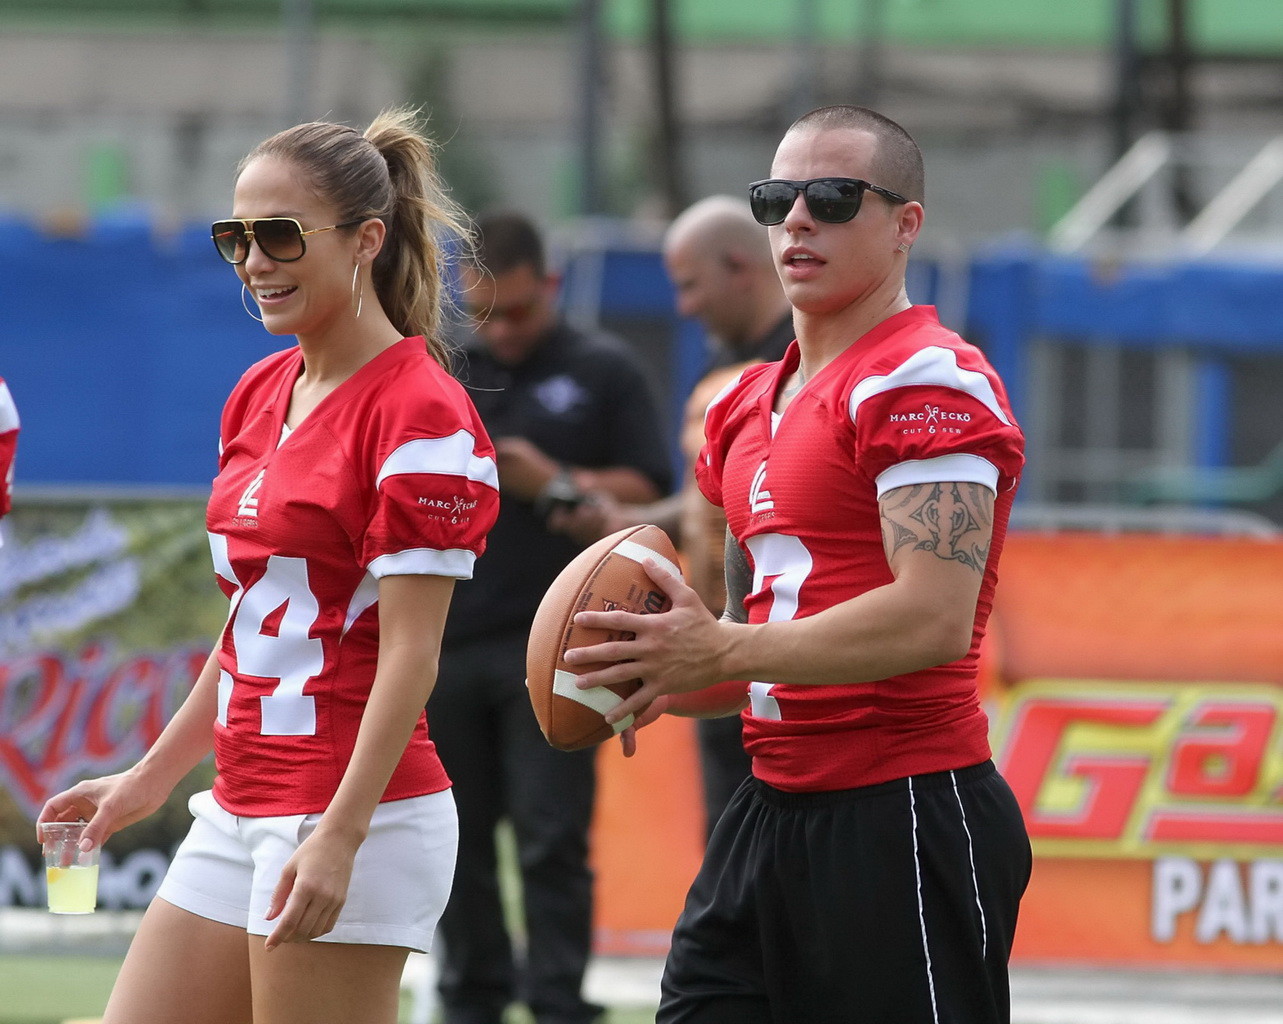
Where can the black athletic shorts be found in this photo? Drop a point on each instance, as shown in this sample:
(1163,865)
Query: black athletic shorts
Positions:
(887,904)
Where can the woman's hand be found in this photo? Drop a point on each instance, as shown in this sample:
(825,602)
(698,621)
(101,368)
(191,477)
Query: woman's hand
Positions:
(108,804)
(312,889)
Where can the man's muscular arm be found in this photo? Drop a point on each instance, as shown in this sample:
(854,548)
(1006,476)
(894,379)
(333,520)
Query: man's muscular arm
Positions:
(936,538)
(953,521)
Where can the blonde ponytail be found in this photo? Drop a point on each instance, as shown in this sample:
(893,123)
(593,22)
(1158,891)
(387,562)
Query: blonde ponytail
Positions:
(389,172)
(410,272)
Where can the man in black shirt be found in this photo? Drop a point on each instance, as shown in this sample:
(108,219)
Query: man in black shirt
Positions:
(569,413)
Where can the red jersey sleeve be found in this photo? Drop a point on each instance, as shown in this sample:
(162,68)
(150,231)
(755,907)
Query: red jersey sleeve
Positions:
(436,493)
(934,419)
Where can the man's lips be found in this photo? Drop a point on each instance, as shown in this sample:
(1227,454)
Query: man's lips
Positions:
(800,261)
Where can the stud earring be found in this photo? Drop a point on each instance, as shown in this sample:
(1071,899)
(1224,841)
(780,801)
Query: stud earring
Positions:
(903,247)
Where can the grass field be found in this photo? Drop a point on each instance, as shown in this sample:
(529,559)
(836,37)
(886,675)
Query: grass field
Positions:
(54,989)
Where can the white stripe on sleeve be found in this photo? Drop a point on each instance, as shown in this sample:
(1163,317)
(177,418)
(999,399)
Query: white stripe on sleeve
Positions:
(959,467)
(455,562)
(447,456)
(932,365)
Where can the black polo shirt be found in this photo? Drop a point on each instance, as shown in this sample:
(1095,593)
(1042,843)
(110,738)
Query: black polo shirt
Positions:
(585,401)
(768,349)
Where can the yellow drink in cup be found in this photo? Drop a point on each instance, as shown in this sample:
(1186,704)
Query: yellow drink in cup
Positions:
(72,890)
(71,874)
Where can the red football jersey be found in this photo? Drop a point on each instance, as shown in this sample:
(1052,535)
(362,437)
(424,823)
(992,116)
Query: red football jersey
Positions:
(8,445)
(391,474)
(908,403)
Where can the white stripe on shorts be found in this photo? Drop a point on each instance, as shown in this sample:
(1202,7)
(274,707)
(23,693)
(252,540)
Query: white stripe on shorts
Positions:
(922,917)
(975,882)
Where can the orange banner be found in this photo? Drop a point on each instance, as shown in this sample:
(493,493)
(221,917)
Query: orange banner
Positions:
(1138,715)
(1135,687)
(648,837)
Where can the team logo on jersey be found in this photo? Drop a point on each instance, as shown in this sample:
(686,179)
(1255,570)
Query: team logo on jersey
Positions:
(759,498)
(247,507)
(932,419)
(560,394)
(456,504)
(454,510)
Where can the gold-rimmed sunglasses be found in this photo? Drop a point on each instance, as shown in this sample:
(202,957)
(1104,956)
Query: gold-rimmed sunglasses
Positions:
(279,238)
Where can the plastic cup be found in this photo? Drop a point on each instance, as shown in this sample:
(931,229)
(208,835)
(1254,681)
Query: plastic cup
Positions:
(71,875)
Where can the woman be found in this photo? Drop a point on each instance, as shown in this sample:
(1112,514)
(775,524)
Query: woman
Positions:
(355,484)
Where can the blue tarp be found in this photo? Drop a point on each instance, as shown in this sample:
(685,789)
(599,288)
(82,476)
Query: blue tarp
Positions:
(120,345)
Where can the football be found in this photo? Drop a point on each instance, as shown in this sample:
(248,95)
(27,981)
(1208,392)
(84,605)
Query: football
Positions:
(608,576)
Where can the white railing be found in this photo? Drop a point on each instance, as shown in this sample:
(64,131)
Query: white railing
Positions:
(1155,228)
(1228,208)
(1134,169)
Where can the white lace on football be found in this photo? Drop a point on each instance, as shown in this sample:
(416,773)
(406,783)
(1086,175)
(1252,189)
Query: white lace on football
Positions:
(599,698)
(639,552)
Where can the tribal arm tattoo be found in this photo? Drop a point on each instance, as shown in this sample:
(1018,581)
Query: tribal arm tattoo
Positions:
(739,581)
(952,520)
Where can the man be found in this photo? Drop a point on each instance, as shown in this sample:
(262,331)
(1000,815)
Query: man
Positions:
(718,260)
(568,413)
(874,867)
(720,265)
(9,424)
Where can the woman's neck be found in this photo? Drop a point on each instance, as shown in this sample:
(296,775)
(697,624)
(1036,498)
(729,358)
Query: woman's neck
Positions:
(332,358)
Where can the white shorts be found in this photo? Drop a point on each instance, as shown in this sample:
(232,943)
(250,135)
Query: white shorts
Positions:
(227,867)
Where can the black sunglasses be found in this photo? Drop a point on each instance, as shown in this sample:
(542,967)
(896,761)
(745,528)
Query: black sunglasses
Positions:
(280,238)
(514,314)
(831,200)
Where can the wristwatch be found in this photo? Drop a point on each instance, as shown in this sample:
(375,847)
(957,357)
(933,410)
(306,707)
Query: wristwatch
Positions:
(559,492)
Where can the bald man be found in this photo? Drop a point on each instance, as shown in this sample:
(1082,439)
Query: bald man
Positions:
(719,261)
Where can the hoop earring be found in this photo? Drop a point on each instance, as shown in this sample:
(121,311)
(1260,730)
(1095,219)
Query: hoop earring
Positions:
(246,304)
(360,296)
